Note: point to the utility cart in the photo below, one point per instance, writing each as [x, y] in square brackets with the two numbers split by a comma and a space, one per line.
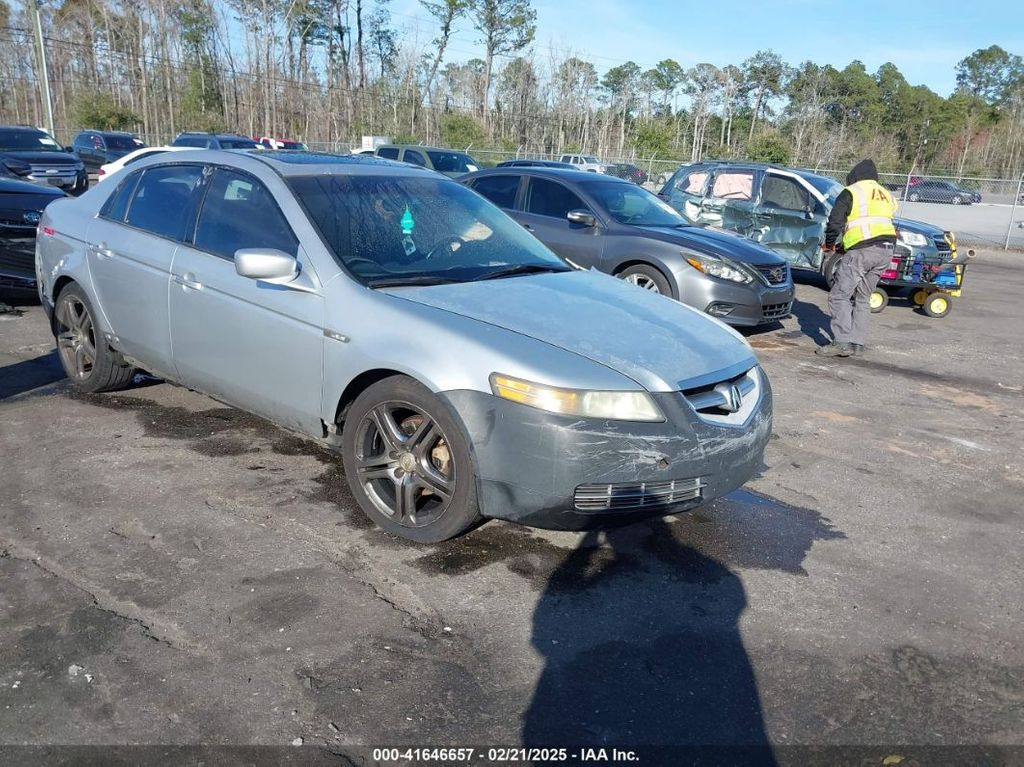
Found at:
[933, 280]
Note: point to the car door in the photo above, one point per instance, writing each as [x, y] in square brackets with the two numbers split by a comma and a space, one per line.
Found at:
[544, 209]
[729, 202]
[251, 343]
[83, 148]
[131, 246]
[685, 192]
[786, 221]
[414, 157]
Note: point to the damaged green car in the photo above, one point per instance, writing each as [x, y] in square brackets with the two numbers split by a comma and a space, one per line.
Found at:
[784, 209]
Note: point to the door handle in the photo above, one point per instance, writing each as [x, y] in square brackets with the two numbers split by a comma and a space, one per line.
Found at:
[102, 250]
[527, 227]
[188, 280]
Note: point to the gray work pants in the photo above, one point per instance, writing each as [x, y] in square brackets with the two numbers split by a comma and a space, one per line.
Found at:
[857, 275]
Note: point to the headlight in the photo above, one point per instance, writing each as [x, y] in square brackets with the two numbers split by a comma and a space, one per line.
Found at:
[613, 405]
[913, 239]
[718, 267]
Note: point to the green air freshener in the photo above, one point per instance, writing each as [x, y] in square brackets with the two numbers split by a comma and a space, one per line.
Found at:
[407, 222]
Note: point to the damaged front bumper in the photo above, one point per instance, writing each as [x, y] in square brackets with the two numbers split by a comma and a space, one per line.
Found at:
[564, 472]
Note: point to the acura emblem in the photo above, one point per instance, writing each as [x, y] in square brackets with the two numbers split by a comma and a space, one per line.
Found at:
[31, 216]
[732, 395]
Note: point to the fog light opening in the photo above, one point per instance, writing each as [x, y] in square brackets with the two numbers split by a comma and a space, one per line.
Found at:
[720, 310]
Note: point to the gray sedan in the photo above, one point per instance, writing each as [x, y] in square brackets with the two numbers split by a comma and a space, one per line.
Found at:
[460, 368]
[613, 225]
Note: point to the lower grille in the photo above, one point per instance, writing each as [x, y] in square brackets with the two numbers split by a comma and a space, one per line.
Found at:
[637, 495]
[941, 244]
[776, 311]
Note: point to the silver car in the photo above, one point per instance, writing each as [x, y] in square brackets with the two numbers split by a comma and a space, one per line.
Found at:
[461, 369]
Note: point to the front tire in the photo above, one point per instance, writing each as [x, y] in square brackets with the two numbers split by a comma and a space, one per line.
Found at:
[84, 354]
[957, 200]
[648, 278]
[878, 300]
[914, 197]
[408, 463]
[937, 305]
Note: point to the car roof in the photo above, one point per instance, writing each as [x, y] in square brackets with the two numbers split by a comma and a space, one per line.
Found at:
[561, 174]
[420, 146]
[214, 135]
[307, 163]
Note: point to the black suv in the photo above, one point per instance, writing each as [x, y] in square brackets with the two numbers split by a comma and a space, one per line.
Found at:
[215, 141]
[49, 163]
[97, 148]
[21, 207]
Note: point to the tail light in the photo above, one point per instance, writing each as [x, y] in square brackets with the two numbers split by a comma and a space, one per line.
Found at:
[101, 172]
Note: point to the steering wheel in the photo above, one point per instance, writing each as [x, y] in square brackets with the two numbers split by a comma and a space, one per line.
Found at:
[443, 244]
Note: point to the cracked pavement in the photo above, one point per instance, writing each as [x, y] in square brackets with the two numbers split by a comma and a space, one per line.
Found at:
[213, 581]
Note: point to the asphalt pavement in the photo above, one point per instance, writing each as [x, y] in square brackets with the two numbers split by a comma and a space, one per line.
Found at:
[178, 572]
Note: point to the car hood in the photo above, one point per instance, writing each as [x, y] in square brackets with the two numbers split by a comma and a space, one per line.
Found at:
[920, 227]
[718, 243]
[43, 158]
[17, 186]
[659, 343]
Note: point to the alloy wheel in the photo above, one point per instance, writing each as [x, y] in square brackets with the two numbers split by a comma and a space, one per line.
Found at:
[404, 464]
[76, 336]
[642, 281]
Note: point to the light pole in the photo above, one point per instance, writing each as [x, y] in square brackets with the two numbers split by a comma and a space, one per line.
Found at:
[42, 73]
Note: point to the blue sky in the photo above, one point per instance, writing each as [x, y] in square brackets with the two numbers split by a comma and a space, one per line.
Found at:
[924, 39]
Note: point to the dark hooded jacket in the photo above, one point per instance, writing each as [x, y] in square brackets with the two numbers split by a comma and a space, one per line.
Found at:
[836, 225]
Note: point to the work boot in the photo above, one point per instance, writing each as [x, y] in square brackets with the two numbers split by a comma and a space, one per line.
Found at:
[834, 350]
[856, 350]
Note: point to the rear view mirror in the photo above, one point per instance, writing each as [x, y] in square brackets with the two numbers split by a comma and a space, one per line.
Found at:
[583, 217]
[266, 264]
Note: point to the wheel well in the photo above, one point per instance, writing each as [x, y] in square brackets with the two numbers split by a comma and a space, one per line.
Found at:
[357, 386]
[58, 286]
[643, 262]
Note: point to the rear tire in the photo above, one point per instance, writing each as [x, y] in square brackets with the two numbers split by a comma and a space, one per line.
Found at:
[408, 462]
[937, 305]
[84, 354]
[647, 278]
[829, 267]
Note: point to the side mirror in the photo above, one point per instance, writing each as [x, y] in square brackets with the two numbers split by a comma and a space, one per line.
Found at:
[582, 217]
[266, 264]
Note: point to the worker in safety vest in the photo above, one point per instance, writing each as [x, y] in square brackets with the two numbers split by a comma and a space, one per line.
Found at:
[860, 225]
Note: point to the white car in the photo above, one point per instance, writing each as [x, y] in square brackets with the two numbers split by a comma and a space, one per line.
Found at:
[110, 168]
[585, 162]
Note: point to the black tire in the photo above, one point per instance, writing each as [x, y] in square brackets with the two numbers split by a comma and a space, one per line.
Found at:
[957, 200]
[937, 305]
[440, 501]
[647, 278]
[829, 267]
[878, 300]
[84, 354]
[914, 197]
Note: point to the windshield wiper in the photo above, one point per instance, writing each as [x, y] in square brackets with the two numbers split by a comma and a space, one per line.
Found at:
[512, 271]
[412, 279]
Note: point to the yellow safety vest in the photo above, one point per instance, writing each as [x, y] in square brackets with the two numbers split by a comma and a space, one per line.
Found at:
[871, 213]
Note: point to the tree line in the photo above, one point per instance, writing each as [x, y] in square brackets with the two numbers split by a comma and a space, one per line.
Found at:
[330, 71]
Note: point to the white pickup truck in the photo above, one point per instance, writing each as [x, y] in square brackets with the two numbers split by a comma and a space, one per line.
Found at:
[584, 162]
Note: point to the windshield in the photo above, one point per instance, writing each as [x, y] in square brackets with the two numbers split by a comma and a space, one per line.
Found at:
[238, 143]
[395, 230]
[452, 162]
[125, 143]
[827, 186]
[21, 140]
[634, 205]
[291, 145]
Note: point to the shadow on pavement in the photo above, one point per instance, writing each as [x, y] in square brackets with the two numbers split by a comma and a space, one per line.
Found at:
[814, 323]
[27, 375]
[640, 637]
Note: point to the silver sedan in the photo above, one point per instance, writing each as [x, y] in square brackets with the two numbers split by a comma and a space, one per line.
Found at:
[461, 369]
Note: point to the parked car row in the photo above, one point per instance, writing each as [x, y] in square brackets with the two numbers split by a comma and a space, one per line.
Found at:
[461, 368]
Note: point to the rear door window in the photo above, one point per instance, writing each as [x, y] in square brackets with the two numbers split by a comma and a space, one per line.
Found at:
[414, 157]
[162, 201]
[388, 152]
[549, 198]
[240, 212]
[117, 204]
[501, 190]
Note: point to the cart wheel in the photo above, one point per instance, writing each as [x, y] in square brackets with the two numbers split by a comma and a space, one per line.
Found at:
[878, 300]
[919, 297]
[937, 305]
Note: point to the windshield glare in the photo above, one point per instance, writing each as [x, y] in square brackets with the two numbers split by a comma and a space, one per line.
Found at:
[14, 141]
[123, 143]
[630, 204]
[401, 228]
[452, 162]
